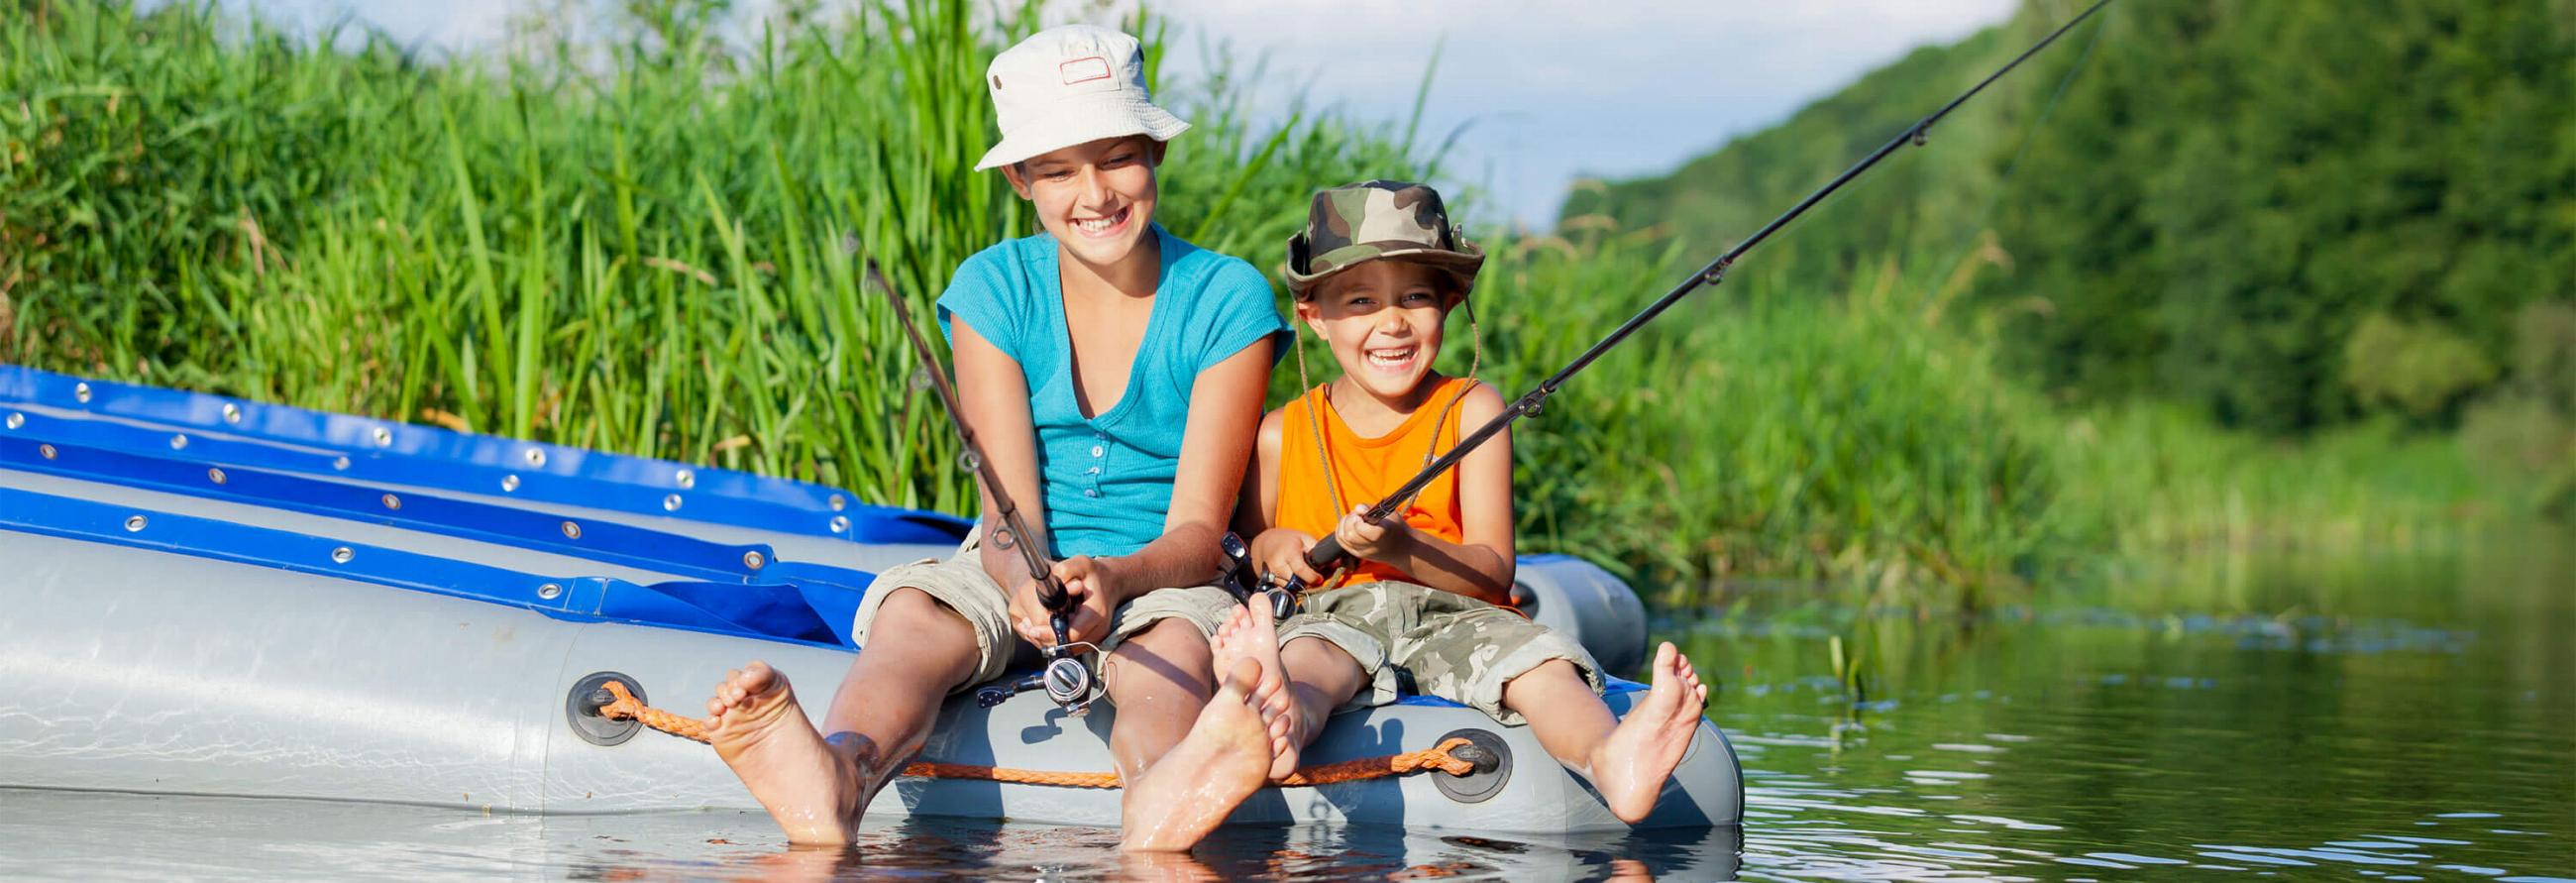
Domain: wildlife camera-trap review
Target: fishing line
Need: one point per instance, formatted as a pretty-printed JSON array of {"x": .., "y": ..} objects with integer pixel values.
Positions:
[{"x": 2003, "y": 181}]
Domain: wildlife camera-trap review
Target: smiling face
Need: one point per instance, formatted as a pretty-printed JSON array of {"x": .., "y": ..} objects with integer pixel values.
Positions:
[
  {"x": 1097, "y": 197},
  {"x": 1383, "y": 322}
]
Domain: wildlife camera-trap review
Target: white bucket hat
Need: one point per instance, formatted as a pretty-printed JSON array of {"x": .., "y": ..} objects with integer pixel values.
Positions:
[{"x": 1070, "y": 85}]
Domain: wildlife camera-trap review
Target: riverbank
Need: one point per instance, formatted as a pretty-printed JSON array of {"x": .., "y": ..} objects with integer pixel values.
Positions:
[{"x": 652, "y": 246}]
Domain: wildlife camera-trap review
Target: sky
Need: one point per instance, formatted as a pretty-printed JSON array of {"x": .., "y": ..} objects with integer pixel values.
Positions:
[{"x": 1540, "y": 93}]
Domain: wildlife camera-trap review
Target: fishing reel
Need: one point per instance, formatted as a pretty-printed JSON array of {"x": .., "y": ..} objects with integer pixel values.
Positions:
[
  {"x": 1066, "y": 679},
  {"x": 1245, "y": 581}
]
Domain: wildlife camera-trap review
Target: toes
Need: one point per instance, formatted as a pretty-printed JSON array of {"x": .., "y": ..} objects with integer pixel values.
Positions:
[{"x": 1242, "y": 678}]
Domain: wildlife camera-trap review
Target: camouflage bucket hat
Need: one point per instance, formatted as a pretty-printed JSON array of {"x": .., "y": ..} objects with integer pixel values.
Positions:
[{"x": 1372, "y": 220}]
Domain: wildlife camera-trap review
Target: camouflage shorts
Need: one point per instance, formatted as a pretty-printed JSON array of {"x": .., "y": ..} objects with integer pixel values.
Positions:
[
  {"x": 959, "y": 581},
  {"x": 1453, "y": 646}
]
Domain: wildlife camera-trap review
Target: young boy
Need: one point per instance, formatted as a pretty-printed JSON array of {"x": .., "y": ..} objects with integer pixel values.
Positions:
[
  {"x": 1112, "y": 373},
  {"x": 1376, "y": 271}
]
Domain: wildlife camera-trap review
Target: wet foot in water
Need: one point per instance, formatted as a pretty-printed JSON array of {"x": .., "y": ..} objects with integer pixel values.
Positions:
[
  {"x": 763, "y": 735},
  {"x": 1223, "y": 760},
  {"x": 1631, "y": 766},
  {"x": 1251, "y": 633}
]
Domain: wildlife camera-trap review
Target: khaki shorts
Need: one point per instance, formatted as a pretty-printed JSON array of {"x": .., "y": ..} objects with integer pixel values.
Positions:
[
  {"x": 961, "y": 583},
  {"x": 1455, "y": 647}
]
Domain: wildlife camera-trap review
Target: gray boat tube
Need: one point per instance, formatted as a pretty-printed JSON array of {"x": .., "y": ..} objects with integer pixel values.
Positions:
[{"x": 148, "y": 647}]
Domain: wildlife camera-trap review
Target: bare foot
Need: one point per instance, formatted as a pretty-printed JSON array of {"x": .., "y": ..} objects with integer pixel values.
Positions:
[
  {"x": 1630, "y": 767},
  {"x": 763, "y": 735},
  {"x": 1251, "y": 633},
  {"x": 1223, "y": 760}
]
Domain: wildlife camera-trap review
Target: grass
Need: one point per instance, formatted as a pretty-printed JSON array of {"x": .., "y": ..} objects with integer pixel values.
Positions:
[{"x": 649, "y": 244}]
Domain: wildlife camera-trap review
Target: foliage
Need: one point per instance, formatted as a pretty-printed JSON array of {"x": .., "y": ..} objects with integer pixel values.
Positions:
[
  {"x": 639, "y": 245},
  {"x": 2206, "y": 215},
  {"x": 650, "y": 243}
]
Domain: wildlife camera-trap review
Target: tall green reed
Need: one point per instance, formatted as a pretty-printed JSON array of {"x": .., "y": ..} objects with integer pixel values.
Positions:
[
  {"x": 655, "y": 251},
  {"x": 653, "y": 245}
]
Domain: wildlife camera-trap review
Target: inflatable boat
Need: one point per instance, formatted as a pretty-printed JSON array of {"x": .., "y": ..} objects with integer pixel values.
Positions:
[{"x": 213, "y": 596}]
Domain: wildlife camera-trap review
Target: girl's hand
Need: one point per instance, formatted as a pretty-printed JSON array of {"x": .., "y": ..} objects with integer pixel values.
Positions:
[
  {"x": 1281, "y": 553},
  {"x": 1372, "y": 541},
  {"x": 1089, "y": 584}
]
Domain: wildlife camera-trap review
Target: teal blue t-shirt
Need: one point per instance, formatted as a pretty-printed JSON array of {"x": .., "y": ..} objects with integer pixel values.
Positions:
[{"x": 1108, "y": 479}]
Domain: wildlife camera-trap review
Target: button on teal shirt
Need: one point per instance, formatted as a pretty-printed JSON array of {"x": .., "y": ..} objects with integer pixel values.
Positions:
[{"x": 1108, "y": 479}]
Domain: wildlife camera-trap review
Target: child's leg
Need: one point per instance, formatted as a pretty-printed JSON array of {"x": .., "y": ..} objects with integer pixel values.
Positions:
[
  {"x": 1318, "y": 677},
  {"x": 1321, "y": 677},
  {"x": 1159, "y": 679},
  {"x": 1192, "y": 788},
  {"x": 1626, "y": 760},
  {"x": 1243, "y": 737},
  {"x": 815, "y": 787}
]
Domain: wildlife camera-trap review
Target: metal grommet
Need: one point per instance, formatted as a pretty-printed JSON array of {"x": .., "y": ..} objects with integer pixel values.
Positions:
[
  {"x": 232, "y": 413},
  {"x": 342, "y": 555},
  {"x": 840, "y": 524},
  {"x": 384, "y": 437},
  {"x": 179, "y": 442},
  {"x": 754, "y": 560},
  {"x": 550, "y": 591},
  {"x": 134, "y": 524},
  {"x": 671, "y": 503},
  {"x": 509, "y": 483},
  {"x": 571, "y": 531},
  {"x": 536, "y": 457},
  {"x": 686, "y": 478},
  {"x": 80, "y": 392},
  {"x": 340, "y": 463},
  {"x": 45, "y": 451},
  {"x": 393, "y": 502},
  {"x": 839, "y": 502},
  {"x": 17, "y": 419},
  {"x": 215, "y": 475}
]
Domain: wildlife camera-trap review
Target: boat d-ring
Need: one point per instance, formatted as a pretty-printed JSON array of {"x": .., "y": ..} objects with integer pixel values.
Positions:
[
  {"x": 581, "y": 709},
  {"x": 1492, "y": 757}
]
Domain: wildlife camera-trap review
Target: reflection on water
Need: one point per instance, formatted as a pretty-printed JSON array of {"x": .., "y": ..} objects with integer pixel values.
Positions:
[
  {"x": 2402, "y": 719},
  {"x": 91, "y": 836},
  {"x": 2396, "y": 719}
]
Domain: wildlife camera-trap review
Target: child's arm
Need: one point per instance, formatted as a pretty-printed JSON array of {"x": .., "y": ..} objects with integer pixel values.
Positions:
[
  {"x": 1257, "y": 505},
  {"x": 1479, "y": 568},
  {"x": 1276, "y": 550},
  {"x": 995, "y": 394},
  {"x": 1225, "y": 408}
]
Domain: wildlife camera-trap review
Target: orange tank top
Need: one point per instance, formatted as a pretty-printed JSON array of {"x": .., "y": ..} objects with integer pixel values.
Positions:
[{"x": 1366, "y": 469}]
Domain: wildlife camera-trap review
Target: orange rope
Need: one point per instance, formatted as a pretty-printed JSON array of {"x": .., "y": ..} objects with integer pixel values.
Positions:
[{"x": 1437, "y": 757}]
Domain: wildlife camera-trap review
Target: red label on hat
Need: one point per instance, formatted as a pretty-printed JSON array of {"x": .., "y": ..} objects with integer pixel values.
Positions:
[{"x": 1084, "y": 70}]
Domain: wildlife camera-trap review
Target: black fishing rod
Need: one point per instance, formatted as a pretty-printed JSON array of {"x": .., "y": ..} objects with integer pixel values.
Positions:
[
  {"x": 1328, "y": 552},
  {"x": 1065, "y": 679}
]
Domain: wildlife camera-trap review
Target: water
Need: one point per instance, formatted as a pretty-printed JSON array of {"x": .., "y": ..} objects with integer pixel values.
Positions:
[{"x": 2393, "y": 717}]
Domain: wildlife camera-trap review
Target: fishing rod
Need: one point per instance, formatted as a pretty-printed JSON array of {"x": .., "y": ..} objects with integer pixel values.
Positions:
[
  {"x": 1065, "y": 679},
  {"x": 1328, "y": 552}
]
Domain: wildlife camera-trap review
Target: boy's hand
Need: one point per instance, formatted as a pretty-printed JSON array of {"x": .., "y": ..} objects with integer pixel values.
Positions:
[
  {"x": 1281, "y": 552},
  {"x": 1369, "y": 540},
  {"x": 1089, "y": 582}
]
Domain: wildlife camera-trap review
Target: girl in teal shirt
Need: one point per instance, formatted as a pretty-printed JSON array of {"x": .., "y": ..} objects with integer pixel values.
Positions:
[{"x": 1114, "y": 375}]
